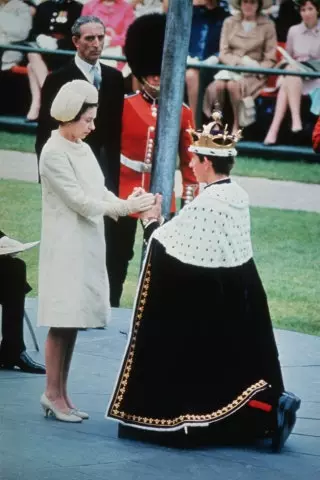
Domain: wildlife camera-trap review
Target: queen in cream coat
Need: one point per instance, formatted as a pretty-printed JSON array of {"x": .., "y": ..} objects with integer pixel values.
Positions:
[{"x": 73, "y": 281}]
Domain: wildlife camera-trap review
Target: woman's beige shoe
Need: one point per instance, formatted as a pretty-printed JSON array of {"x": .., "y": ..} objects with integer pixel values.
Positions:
[
  {"x": 48, "y": 408},
  {"x": 79, "y": 413}
]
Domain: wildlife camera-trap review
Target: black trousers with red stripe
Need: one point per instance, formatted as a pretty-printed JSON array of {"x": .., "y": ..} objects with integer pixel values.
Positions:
[{"x": 120, "y": 238}]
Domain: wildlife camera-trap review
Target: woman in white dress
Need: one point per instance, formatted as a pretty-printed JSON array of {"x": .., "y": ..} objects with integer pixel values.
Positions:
[{"x": 73, "y": 281}]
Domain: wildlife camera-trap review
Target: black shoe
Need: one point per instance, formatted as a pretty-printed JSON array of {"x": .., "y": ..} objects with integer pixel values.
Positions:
[
  {"x": 298, "y": 138},
  {"x": 25, "y": 363},
  {"x": 286, "y": 418}
]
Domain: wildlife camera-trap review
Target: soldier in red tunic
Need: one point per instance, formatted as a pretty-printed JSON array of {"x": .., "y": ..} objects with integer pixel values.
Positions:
[{"x": 143, "y": 50}]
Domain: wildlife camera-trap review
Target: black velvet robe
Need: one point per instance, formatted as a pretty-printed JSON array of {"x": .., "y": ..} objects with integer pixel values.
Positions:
[{"x": 201, "y": 345}]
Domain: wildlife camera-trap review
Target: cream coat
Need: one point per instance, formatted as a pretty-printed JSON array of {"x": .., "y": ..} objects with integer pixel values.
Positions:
[
  {"x": 259, "y": 44},
  {"x": 73, "y": 281}
]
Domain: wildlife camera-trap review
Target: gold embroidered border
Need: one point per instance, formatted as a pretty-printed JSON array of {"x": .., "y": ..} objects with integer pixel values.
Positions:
[
  {"x": 192, "y": 418},
  {"x": 115, "y": 408},
  {"x": 125, "y": 372}
]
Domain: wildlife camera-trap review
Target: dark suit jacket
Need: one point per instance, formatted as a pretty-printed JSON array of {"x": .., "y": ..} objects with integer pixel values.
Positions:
[{"x": 105, "y": 140}]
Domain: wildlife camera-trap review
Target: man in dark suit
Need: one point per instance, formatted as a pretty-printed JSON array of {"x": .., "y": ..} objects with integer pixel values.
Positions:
[
  {"x": 88, "y": 35},
  {"x": 13, "y": 288}
]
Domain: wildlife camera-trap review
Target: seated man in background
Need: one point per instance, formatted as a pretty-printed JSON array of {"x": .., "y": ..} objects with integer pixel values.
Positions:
[
  {"x": 316, "y": 137},
  {"x": 13, "y": 288}
]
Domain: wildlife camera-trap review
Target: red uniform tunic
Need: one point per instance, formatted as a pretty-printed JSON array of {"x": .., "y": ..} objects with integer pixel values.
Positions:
[
  {"x": 316, "y": 137},
  {"x": 137, "y": 144}
]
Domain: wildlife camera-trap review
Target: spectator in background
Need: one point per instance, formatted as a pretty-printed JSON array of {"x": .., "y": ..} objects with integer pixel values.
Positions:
[
  {"x": 207, "y": 19},
  {"x": 117, "y": 16},
  {"x": 51, "y": 30},
  {"x": 303, "y": 43},
  {"x": 249, "y": 39},
  {"x": 15, "y": 26},
  {"x": 316, "y": 137}
]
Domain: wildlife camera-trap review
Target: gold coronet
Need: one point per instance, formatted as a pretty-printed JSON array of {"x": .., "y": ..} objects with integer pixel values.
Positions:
[{"x": 214, "y": 135}]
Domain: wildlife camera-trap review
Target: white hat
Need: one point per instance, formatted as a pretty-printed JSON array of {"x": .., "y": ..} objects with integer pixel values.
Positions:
[
  {"x": 70, "y": 98},
  {"x": 265, "y": 4}
]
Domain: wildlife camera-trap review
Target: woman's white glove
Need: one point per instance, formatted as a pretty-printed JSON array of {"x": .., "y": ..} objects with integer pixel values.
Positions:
[
  {"x": 140, "y": 202},
  {"x": 192, "y": 59},
  {"x": 46, "y": 42},
  {"x": 213, "y": 60}
]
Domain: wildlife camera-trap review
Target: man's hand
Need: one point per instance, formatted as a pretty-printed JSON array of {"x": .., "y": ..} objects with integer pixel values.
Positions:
[{"x": 154, "y": 213}]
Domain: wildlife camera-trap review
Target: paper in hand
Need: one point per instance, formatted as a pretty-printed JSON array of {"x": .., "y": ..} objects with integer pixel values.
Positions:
[{"x": 9, "y": 246}]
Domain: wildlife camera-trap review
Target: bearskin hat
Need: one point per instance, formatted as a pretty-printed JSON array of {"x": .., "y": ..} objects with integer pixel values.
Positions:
[{"x": 144, "y": 44}]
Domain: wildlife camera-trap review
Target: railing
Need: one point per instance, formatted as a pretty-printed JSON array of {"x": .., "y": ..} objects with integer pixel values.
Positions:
[
  {"x": 197, "y": 65},
  {"x": 191, "y": 64}
]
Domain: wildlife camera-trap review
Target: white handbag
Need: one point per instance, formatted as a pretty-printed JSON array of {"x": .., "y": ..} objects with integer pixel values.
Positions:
[
  {"x": 247, "y": 112},
  {"x": 227, "y": 75}
]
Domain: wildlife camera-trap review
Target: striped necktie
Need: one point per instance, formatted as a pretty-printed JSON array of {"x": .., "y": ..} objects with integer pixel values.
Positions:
[{"x": 96, "y": 77}]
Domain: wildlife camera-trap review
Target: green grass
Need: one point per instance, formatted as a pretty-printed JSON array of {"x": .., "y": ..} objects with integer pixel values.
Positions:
[
  {"x": 277, "y": 170},
  {"x": 251, "y": 167},
  {"x": 21, "y": 142},
  {"x": 286, "y": 248},
  {"x": 20, "y": 218}
]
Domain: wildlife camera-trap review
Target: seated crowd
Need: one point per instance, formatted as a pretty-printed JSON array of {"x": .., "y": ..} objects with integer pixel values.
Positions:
[{"x": 236, "y": 33}]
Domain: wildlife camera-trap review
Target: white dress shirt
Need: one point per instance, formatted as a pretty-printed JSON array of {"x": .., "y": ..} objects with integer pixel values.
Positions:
[{"x": 86, "y": 68}]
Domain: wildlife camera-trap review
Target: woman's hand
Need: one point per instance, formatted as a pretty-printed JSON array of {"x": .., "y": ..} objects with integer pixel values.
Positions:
[{"x": 140, "y": 202}]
